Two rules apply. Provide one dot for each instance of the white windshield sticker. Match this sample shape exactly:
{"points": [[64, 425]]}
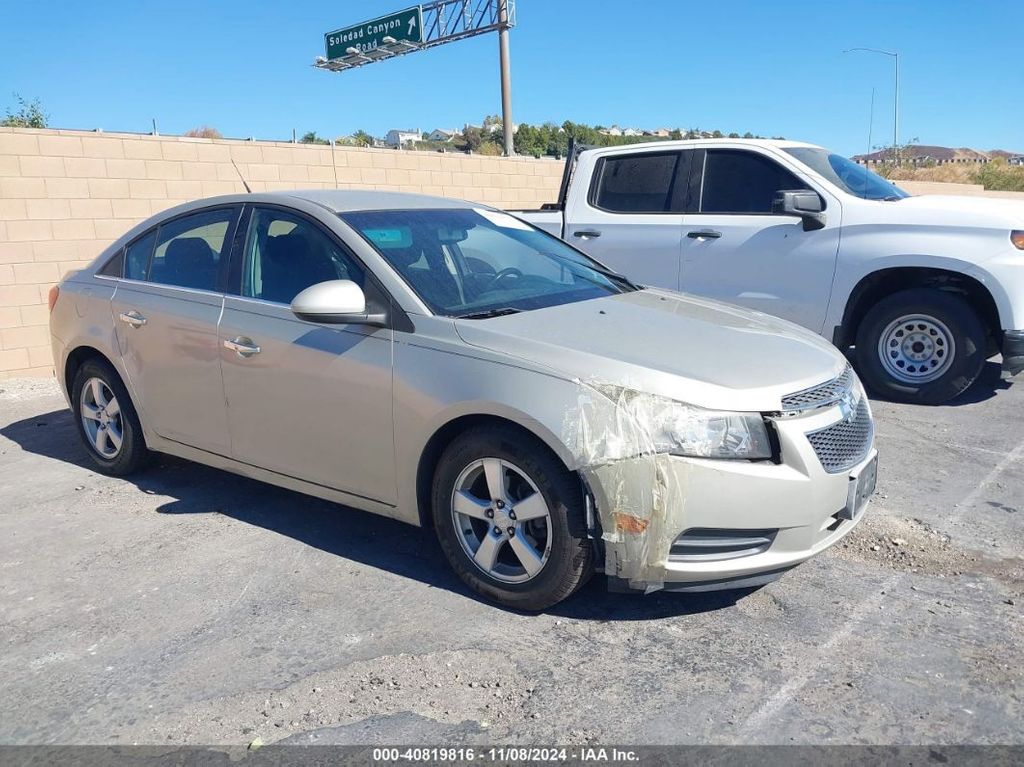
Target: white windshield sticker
{"points": [[503, 220]]}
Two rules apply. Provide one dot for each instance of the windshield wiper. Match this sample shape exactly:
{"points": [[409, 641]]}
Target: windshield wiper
{"points": [[892, 198], [488, 313]]}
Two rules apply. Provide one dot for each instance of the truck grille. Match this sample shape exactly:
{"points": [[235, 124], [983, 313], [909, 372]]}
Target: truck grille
{"points": [[843, 445], [822, 395]]}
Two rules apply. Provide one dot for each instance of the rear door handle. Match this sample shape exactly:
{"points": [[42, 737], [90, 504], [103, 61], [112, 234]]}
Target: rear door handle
{"points": [[586, 233], [133, 318], [704, 234], [242, 346]]}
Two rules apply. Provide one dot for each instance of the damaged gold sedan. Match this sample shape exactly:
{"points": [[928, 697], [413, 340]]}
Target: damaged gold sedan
{"points": [[446, 364]]}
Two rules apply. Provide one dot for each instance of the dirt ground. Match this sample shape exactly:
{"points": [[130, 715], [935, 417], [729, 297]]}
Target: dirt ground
{"points": [[187, 605]]}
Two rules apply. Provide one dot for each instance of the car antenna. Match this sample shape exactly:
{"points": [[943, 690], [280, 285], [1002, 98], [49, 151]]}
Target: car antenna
{"points": [[244, 182]]}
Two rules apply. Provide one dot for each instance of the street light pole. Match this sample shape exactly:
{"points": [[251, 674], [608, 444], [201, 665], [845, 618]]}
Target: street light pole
{"points": [[506, 76], [896, 99]]}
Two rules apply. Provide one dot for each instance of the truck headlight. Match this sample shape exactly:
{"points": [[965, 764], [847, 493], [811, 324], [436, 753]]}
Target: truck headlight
{"points": [[1017, 238], [665, 425]]}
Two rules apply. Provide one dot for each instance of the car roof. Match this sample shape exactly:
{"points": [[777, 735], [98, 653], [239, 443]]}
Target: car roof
{"points": [[705, 142], [344, 200]]}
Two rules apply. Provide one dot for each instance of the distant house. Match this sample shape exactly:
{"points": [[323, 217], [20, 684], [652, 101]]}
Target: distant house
{"points": [[659, 132], [442, 134], [402, 137], [1017, 159], [632, 132], [615, 130]]}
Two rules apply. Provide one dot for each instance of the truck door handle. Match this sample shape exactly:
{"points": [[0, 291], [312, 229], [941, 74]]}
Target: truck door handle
{"points": [[242, 346], [133, 318], [704, 234], [586, 233]]}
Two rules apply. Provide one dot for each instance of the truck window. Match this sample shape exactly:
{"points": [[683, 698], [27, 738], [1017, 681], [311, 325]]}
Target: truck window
{"points": [[736, 181], [637, 183]]}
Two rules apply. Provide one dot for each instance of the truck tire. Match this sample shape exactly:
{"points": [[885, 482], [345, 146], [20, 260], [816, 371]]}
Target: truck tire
{"points": [[921, 346], [528, 560]]}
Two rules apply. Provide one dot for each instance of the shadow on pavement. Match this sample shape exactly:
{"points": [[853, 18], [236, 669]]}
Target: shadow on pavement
{"points": [[377, 541]]}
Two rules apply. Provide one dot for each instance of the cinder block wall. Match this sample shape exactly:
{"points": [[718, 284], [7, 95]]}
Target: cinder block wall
{"points": [[65, 195]]}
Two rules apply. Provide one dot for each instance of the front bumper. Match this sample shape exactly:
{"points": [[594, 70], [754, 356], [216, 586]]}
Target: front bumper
{"points": [[1013, 351], [645, 503]]}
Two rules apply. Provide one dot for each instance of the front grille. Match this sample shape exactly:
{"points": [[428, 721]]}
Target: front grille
{"points": [[820, 396], [843, 445], [704, 544]]}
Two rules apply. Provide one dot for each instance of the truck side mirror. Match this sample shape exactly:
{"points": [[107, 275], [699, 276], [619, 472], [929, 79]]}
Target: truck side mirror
{"points": [[802, 203]]}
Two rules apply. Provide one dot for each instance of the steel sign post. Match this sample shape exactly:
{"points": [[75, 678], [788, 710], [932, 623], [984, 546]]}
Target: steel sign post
{"points": [[404, 26], [506, 77]]}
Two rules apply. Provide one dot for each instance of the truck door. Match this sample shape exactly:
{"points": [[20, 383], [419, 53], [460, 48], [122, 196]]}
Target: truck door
{"points": [[736, 250]]}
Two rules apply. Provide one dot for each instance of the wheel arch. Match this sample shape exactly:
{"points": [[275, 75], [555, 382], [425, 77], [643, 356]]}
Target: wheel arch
{"points": [[876, 285], [78, 357]]}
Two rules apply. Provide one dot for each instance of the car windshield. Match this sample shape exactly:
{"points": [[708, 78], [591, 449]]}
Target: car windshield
{"points": [[475, 262], [846, 174]]}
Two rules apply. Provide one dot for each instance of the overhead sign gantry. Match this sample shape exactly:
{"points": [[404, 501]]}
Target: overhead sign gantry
{"points": [[424, 26]]}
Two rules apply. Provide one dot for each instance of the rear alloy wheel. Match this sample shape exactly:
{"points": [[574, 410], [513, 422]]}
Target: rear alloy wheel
{"points": [[106, 419], [510, 519], [921, 346]]}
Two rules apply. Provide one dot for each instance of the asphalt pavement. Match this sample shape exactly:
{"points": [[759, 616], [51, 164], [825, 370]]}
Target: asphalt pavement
{"points": [[191, 606]]}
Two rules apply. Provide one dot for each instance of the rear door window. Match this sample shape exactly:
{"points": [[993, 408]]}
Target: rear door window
{"points": [[137, 255], [738, 181], [639, 183], [189, 250]]}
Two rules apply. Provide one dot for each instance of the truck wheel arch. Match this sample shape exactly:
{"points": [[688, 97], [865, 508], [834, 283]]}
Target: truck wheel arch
{"points": [[878, 284]]}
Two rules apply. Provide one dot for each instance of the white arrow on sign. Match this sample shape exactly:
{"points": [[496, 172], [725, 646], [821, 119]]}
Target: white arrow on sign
{"points": [[412, 25]]}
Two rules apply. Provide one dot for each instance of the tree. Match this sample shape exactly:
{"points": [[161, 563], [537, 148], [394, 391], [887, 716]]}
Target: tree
{"points": [[362, 138], [30, 114], [203, 131], [675, 134], [312, 138]]}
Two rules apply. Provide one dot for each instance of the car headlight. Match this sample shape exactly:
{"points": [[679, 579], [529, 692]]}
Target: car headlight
{"points": [[665, 425], [1017, 238]]}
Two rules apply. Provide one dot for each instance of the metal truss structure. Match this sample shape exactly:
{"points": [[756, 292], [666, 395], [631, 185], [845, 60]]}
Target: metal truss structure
{"points": [[444, 21]]}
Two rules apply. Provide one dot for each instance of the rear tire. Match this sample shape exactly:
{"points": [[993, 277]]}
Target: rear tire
{"points": [[106, 419], [921, 346], [527, 561]]}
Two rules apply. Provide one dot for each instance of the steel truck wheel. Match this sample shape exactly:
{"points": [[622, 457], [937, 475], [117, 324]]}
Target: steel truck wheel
{"points": [[921, 346]]}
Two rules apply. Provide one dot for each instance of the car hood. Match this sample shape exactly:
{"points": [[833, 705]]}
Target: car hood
{"points": [[691, 349]]}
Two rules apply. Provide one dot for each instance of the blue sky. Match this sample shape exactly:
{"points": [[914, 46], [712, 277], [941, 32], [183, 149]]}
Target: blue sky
{"points": [[242, 66]]}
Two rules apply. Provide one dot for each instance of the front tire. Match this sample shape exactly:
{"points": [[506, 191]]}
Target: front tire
{"points": [[106, 419], [921, 346], [510, 519]]}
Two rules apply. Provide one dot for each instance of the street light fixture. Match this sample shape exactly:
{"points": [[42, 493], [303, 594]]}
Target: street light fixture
{"points": [[896, 99]]}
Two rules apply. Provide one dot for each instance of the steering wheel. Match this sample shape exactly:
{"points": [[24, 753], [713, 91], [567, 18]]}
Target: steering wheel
{"points": [[508, 271]]}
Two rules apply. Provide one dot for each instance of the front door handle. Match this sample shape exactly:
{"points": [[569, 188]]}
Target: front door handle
{"points": [[133, 318], [586, 233], [242, 346], [704, 234]]}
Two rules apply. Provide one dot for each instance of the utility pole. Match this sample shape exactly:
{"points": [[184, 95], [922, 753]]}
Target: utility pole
{"points": [[896, 98], [506, 77]]}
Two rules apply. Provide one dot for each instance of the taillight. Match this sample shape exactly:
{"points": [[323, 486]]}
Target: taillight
{"points": [[52, 298]]}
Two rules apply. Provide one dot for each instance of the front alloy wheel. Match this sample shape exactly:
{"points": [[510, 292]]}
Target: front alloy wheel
{"points": [[502, 520], [510, 518]]}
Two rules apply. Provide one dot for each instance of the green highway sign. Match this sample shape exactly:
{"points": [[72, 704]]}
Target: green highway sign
{"points": [[403, 26]]}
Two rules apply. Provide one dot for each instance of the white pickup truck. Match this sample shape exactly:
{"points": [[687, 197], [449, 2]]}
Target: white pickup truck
{"points": [[920, 291]]}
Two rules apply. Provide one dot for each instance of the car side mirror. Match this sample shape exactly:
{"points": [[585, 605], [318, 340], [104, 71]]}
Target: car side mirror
{"points": [[335, 302], [800, 203]]}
